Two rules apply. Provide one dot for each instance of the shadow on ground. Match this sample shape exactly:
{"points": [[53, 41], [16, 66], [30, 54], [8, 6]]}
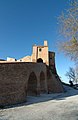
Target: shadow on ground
{"points": [[47, 97]]}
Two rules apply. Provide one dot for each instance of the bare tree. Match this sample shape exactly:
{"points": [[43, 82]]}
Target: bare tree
{"points": [[72, 75], [76, 71], [69, 29]]}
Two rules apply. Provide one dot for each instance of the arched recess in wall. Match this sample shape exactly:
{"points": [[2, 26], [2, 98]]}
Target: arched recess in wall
{"points": [[42, 82], [32, 85], [39, 60]]}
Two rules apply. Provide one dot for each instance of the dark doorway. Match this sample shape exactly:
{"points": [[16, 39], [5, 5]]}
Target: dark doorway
{"points": [[39, 60], [32, 85]]}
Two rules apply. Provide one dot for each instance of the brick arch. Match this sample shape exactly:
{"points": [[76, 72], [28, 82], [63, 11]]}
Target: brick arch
{"points": [[32, 84], [42, 82]]}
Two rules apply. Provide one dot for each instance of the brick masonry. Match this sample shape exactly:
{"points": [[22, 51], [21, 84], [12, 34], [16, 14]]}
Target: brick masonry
{"points": [[19, 79]]}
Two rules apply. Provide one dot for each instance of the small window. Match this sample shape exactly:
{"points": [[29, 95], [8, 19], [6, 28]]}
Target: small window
{"points": [[40, 49]]}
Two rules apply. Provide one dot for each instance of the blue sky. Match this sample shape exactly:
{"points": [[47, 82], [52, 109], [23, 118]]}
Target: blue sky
{"points": [[27, 22]]}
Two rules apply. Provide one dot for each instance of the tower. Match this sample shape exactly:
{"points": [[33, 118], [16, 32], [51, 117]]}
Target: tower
{"points": [[40, 53]]}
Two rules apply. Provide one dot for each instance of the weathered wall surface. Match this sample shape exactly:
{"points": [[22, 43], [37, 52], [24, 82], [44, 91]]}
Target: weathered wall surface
{"points": [[54, 84], [19, 79], [14, 79]]}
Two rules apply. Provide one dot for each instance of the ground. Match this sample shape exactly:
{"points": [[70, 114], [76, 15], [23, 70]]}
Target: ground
{"points": [[62, 106]]}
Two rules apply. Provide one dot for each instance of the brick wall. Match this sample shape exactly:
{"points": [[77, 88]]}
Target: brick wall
{"points": [[14, 80], [19, 79]]}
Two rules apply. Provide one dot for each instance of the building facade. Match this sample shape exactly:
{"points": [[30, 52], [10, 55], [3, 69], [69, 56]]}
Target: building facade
{"points": [[30, 75]]}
